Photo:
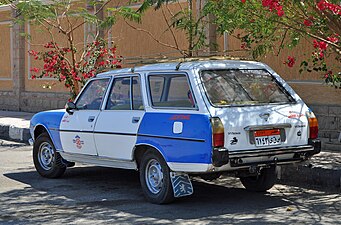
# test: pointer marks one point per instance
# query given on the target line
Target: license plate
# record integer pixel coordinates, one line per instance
(267, 137)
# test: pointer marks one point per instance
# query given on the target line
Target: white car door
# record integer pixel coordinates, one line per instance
(118, 123)
(76, 129)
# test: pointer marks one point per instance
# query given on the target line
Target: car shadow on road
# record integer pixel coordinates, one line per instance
(114, 195)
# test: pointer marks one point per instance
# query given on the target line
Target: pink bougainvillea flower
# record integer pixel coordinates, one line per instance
(291, 61)
(308, 22)
(329, 73)
(243, 45)
(333, 39)
(280, 11)
(243, 1)
(273, 5)
(34, 69)
(320, 45)
(324, 5)
(323, 45)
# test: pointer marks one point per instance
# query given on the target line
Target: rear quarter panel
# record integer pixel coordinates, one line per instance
(193, 145)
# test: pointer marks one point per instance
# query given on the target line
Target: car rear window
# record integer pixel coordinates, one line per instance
(243, 87)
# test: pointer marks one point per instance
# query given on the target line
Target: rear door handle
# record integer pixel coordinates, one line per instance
(135, 119)
(91, 119)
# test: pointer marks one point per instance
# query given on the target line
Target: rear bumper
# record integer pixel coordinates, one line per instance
(222, 156)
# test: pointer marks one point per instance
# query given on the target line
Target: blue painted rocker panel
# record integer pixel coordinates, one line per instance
(51, 121)
(193, 145)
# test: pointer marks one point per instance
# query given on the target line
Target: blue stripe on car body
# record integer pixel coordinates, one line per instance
(193, 145)
(51, 121)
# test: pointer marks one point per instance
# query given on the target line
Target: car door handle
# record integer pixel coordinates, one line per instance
(135, 119)
(91, 119)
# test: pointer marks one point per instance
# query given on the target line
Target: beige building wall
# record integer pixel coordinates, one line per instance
(6, 82)
(152, 37)
(38, 38)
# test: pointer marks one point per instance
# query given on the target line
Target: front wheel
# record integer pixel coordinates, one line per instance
(262, 182)
(155, 178)
(47, 161)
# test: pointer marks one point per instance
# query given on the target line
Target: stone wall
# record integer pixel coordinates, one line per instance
(39, 101)
(329, 119)
(8, 101)
(32, 101)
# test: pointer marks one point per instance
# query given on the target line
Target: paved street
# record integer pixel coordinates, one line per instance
(94, 195)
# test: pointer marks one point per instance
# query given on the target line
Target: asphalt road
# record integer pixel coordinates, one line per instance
(94, 195)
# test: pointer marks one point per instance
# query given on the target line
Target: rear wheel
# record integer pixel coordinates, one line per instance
(155, 178)
(262, 182)
(47, 161)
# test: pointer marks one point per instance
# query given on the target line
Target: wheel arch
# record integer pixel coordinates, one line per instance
(142, 148)
(39, 129)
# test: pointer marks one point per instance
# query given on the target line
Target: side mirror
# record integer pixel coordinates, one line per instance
(70, 107)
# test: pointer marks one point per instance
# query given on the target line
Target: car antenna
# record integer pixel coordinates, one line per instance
(178, 66)
(133, 69)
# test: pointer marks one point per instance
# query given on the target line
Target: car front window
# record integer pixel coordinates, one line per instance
(92, 96)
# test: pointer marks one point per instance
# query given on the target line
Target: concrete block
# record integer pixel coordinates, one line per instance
(47, 104)
(54, 104)
(335, 147)
(39, 103)
(26, 135)
(319, 109)
(15, 133)
(61, 104)
(4, 132)
(316, 176)
(328, 134)
(335, 111)
(328, 123)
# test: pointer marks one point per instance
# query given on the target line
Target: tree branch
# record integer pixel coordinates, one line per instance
(154, 38)
(169, 26)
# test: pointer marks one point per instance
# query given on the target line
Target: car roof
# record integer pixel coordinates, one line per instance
(180, 66)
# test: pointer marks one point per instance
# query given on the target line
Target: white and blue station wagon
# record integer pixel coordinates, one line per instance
(173, 120)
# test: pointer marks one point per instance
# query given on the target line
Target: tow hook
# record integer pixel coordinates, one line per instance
(275, 161)
(253, 169)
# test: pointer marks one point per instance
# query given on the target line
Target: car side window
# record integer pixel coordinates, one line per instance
(171, 90)
(91, 98)
(137, 95)
(119, 98)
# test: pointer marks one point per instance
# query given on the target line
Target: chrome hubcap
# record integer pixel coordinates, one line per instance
(154, 176)
(46, 156)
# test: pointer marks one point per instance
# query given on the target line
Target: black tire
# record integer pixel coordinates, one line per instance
(263, 182)
(47, 161)
(158, 190)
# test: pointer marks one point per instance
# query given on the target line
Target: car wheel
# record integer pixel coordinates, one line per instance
(263, 182)
(47, 161)
(155, 178)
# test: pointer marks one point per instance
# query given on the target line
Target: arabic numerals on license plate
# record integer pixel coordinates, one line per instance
(275, 140)
(261, 141)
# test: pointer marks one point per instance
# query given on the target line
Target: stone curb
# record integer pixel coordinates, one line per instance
(13, 133)
(310, 176)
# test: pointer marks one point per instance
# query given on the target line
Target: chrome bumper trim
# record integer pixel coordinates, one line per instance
(270, 152)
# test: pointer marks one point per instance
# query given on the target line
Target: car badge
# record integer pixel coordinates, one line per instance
(264, 116)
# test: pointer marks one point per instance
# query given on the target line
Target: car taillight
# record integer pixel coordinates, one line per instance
(313, 125)
(217, 132)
